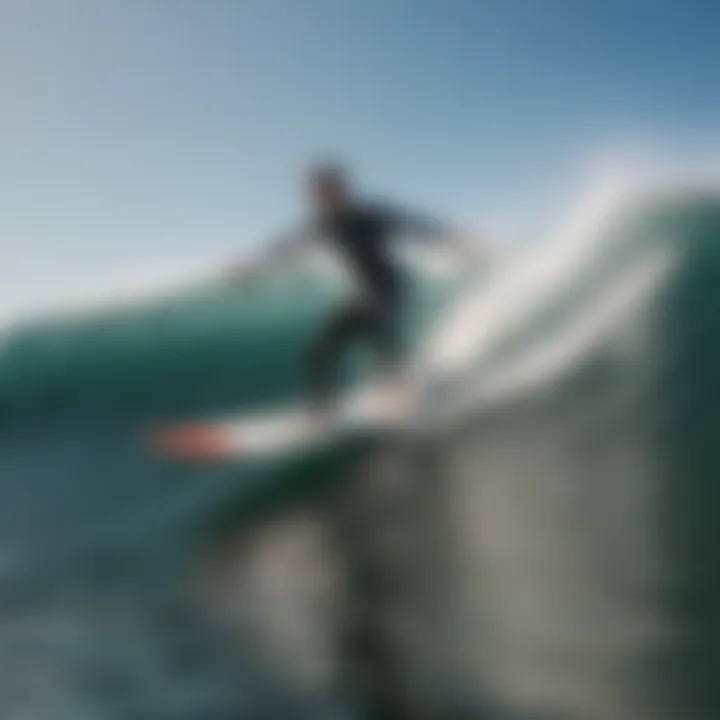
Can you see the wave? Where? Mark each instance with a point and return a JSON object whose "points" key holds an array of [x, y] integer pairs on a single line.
{"points": [[575, 426]]}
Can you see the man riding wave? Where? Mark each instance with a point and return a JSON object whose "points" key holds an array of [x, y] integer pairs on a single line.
{"points": [[362, 232]]}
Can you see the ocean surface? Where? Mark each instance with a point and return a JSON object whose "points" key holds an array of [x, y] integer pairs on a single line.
{"points": [[573, 493]]}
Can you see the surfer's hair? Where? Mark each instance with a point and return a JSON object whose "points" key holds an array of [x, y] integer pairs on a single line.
{"points": [[329, 174]]}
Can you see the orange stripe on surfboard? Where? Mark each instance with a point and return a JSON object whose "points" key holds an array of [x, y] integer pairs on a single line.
{"points": [[191, 442]]}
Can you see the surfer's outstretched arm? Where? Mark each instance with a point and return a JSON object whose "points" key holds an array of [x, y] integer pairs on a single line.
{"points": [[419, 225], [281, 252], [429, 228], [287, 248]]}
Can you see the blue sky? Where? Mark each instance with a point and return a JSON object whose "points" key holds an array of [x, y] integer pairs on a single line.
{"points": [[135, 129]]}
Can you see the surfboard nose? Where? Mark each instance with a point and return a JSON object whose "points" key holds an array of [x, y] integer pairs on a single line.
{"points": [[189, 442]]}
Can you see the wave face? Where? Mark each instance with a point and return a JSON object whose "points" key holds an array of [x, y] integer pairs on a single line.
{"points": [[205, 350], [578, 471]]}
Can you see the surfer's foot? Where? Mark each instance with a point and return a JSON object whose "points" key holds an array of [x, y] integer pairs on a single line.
{"points": [[395, 390]]}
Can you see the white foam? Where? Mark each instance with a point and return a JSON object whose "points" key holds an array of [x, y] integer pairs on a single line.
{"points": [[549, 359], [512, 293], [458, 352]]}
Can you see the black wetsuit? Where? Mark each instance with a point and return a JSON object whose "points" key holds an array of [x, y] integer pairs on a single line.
{"points": [[363, 235]]}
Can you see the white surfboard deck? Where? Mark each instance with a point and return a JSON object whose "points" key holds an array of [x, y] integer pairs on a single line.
{"points": [[252, 436], [372, 408]]}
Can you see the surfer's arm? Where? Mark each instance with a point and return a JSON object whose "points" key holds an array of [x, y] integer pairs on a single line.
{"points": [[281, 252], [418, 225], [286, 249], [428, 228]]}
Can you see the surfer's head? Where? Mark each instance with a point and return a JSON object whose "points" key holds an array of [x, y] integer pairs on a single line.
{"points": [[329, 188]]}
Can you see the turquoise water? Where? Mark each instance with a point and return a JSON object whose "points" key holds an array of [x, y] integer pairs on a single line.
{"points": [[77, 396]]}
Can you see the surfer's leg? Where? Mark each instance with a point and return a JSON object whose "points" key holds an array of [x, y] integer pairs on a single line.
{"points": [[383, 333], [325, 354]]}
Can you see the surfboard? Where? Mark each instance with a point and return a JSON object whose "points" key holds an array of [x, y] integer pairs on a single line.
{"points": [[372, 408]]}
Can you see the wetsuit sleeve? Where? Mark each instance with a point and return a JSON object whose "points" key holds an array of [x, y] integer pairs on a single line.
{"points": [[415, 224]]}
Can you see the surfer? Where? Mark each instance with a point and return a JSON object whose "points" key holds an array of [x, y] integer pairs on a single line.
{"points": [[362, 232]]}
